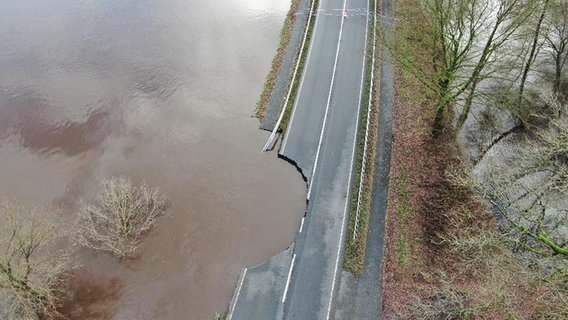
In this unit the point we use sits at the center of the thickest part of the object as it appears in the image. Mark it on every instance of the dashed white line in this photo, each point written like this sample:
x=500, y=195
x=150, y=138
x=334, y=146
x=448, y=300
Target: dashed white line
x=302, y=225
x=289, y=277
x=230, y=315
x=327, y=105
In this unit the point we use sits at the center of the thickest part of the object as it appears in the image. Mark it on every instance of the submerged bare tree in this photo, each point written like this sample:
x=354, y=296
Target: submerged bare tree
x=533, y=197
x=31, y=269
x=122, y=214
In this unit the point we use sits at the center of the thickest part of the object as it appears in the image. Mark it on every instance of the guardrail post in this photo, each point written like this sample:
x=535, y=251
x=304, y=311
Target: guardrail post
x=369, y=107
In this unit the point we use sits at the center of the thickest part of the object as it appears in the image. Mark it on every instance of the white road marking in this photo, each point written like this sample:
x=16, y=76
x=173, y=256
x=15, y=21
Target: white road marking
x=289, y=277
x=302, y=225
x=327, y=105
x=294, y=77
x=345, y=209
x=335, y=12
x=230, y=315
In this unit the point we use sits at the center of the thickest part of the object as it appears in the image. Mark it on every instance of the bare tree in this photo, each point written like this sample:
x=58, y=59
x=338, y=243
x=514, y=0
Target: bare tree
x=461, y=38
x=459, y=24
x=506, y=19
x=447, y=30
x=31, y=269
x=533, y=52
x=557, y=39
x=532, y=194
x=122, y=215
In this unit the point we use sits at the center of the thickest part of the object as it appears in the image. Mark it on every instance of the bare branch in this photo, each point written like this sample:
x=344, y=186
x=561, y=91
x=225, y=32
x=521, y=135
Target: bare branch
x=31, y=269
x=122, y=215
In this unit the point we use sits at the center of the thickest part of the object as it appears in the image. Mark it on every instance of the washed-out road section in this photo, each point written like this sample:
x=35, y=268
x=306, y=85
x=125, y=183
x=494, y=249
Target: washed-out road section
x=302, y=283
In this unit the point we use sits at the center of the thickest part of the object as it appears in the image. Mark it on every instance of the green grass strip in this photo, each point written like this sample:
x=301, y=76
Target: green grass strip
x=356, y=247
x=296, y=83
x=271, y=78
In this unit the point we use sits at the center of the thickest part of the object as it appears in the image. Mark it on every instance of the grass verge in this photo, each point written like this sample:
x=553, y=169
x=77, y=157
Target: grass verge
x=285, y=36
x=296, y=82
x=357, y=241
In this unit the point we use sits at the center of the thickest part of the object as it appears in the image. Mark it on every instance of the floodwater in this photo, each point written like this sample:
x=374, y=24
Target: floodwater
x=162, y=92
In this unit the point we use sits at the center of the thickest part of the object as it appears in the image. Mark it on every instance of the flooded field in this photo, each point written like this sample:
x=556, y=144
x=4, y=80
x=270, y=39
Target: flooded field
x=157, y=91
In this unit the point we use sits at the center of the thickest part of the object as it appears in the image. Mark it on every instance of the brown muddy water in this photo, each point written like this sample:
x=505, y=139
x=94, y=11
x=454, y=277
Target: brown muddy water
x=160, y=91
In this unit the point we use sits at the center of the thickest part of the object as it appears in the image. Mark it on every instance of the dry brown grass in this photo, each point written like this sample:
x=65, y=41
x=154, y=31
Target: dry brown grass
x=445, y=257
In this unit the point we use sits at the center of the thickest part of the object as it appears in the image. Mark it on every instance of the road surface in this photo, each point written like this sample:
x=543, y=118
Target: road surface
x=329, y=100
x=321, y=140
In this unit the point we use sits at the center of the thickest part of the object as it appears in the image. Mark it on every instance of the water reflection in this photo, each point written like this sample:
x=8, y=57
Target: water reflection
x=162, y=92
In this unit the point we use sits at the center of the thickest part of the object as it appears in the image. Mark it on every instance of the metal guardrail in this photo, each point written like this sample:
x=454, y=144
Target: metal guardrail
x=270, y=142
x=365, y=148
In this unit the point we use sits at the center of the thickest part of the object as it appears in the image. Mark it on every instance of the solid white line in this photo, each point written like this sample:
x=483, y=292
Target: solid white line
x=289, y=277
x=273, y=134
x=327, y=105
x=237, y=297
x=345, y=209
x=302, y=225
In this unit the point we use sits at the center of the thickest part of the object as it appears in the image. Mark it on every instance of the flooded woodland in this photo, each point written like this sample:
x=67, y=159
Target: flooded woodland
x=160, y=92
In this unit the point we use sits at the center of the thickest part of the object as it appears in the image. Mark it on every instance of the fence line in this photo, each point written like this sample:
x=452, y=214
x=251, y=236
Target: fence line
x=275, y=129
x=369, y=107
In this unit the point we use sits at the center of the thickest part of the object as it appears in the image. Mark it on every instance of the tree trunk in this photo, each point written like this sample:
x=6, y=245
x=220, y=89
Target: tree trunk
x=441, y=108
x=439, y=120
x=494, y=41
x=476, y=76
x=532, y=55
x=557, y=75
x=467, y=105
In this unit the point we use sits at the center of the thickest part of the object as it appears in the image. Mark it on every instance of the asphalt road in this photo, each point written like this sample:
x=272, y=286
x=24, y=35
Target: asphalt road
x=303, y=134
x=321, y=140
x=361, y=298
x=280, y=90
